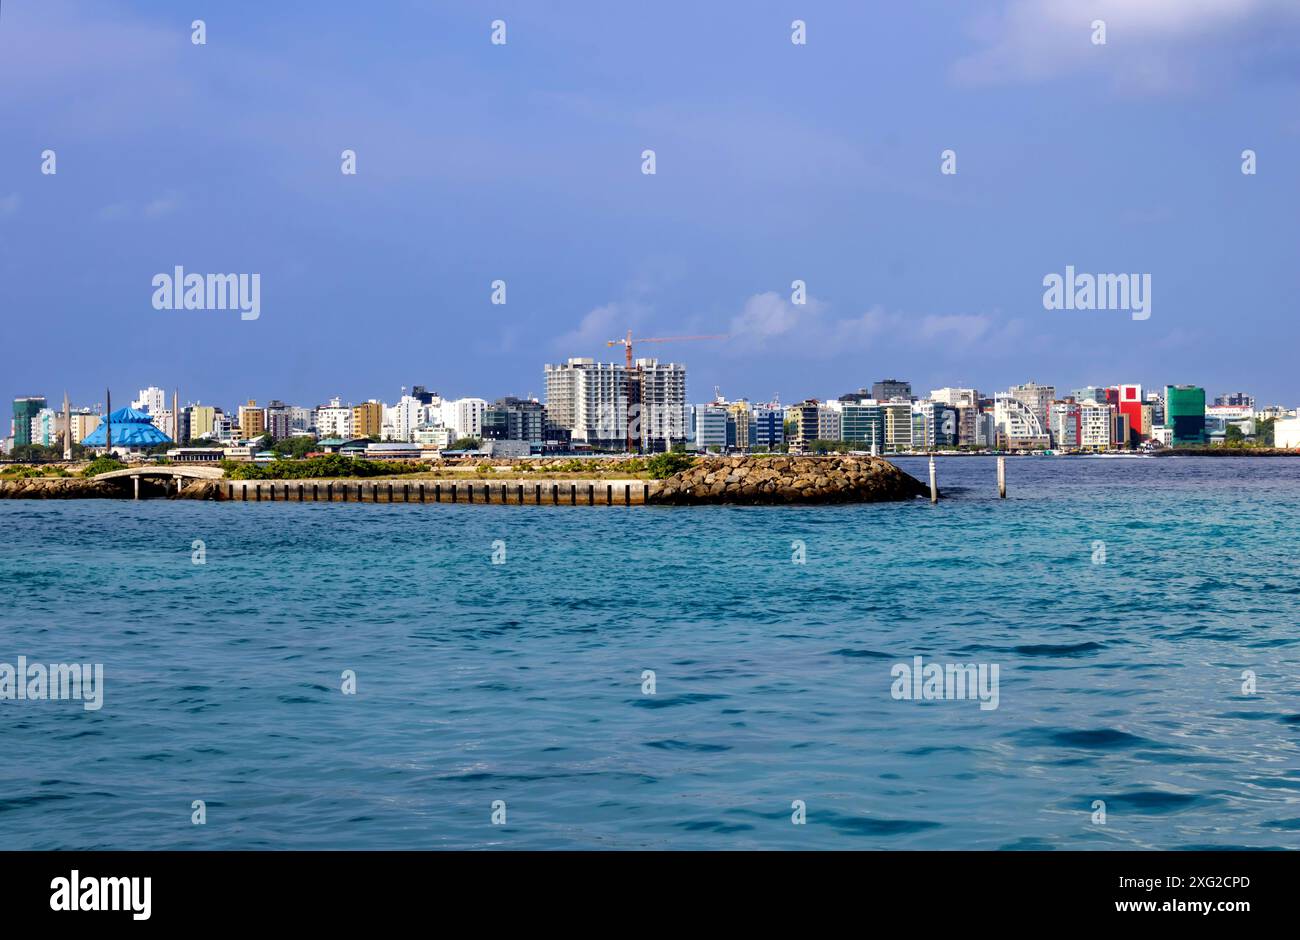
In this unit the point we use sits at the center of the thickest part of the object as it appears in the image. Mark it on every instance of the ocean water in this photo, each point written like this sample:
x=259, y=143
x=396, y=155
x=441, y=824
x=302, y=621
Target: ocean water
x=1119, y=680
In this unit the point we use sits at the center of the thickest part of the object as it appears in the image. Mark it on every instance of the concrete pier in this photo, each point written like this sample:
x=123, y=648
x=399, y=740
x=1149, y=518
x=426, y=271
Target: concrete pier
x=514, y=492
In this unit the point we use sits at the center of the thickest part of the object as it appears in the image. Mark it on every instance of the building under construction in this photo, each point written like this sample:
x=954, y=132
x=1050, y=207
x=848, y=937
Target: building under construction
x=603, y=404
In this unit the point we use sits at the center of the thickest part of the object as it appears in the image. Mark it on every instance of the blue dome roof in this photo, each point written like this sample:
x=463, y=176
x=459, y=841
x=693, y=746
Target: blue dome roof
x=131, y=428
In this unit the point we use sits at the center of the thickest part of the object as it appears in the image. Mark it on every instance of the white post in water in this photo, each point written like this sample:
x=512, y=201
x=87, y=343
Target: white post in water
x=1002, y=478
x=135, y=480
x=934, y=486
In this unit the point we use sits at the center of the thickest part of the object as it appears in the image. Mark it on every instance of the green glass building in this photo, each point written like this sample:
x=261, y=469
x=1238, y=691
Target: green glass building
x=863, y=425
x=24, y=410
x=1185, y=413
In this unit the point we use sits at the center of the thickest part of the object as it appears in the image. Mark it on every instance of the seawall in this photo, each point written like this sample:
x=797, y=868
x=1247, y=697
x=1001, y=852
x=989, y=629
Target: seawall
x=487, y=492
x=779, y=480
x=748, y=480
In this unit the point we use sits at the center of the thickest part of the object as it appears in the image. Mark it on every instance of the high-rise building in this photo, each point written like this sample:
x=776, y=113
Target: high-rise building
x=935, y=425
x=515, y=419
x=1185, y=413
x=152, y=400
x=44, y=428
x=711, y=424
x=202, y=422
x=1038, y=398
x=252, y=421
x=590, y=400
x=828, y=423
x=1020, y=424
x=279, y=419
x=334, y=420
x=302, y=420
x=863, y=425
x=83, y=422
x=401, y=420
x=966, y=401
x=899, y=430
x=464, y=416
x=368, y=419
x=1089, y=394
x=806, y=417
x=1065, y=421
x=767, y=427
x=1095, y=425
x=662, y=417
x=890, y=389
x=1130, y=406
x=24, y=410
x=740, y=419
x=1236, y=400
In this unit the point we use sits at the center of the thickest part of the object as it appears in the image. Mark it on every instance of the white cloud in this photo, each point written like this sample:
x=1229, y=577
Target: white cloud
x=957, y=329
x=155, y=208
x=768, y=315
x=599, y=326
x=162, y=205
x=768, y=321
x=1147, y=41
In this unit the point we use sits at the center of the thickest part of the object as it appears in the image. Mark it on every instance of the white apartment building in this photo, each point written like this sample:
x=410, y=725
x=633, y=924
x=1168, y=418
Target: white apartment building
x=152, y=400
x=401, y=420
x=1095, y=425
x=334, y=420
x=1038, y=398
x=1064, y=419
x=1019, y=425
x=830, y=422
x=162, y=420
x=435, y=436
x=464, y=416
x=45, y=428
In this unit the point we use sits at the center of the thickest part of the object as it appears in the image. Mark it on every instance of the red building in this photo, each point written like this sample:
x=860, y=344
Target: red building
x=1130, y=406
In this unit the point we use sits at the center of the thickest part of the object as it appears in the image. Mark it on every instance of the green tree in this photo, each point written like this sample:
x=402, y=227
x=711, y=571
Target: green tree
x=465, y=443
x=102, y=465
x=665, y=465
x=296, y=447
x=1264, y=432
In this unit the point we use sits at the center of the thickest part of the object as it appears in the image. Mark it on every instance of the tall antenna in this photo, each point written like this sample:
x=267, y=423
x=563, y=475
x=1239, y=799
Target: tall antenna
x=108, y=425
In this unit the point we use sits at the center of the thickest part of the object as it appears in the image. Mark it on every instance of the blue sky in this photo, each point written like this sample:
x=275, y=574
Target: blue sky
x=522, y=162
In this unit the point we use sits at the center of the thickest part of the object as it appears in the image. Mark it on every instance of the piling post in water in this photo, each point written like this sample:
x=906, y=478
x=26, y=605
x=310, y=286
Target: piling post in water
x=1002, y=478
x=934, y=483
x=135, y=479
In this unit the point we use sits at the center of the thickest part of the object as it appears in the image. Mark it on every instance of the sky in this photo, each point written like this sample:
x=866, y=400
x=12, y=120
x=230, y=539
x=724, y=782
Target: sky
x=522, y=162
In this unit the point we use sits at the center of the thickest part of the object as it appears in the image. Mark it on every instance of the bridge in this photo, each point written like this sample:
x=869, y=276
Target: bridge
x=168, y=473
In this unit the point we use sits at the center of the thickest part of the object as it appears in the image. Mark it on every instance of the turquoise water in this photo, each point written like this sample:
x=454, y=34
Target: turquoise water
x=1120, y=681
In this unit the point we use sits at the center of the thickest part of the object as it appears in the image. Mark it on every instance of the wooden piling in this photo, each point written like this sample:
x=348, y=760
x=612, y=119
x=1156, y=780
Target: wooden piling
x=1002, y=478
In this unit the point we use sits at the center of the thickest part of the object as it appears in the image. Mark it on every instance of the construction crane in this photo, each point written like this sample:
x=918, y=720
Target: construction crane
x=626, y=343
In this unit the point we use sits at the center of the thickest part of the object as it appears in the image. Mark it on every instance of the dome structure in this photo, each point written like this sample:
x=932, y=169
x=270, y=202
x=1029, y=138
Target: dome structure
x=130, y=427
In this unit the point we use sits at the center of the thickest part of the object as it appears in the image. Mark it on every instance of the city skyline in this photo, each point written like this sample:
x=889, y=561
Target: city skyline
x=776, y=163
x=589, y=405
